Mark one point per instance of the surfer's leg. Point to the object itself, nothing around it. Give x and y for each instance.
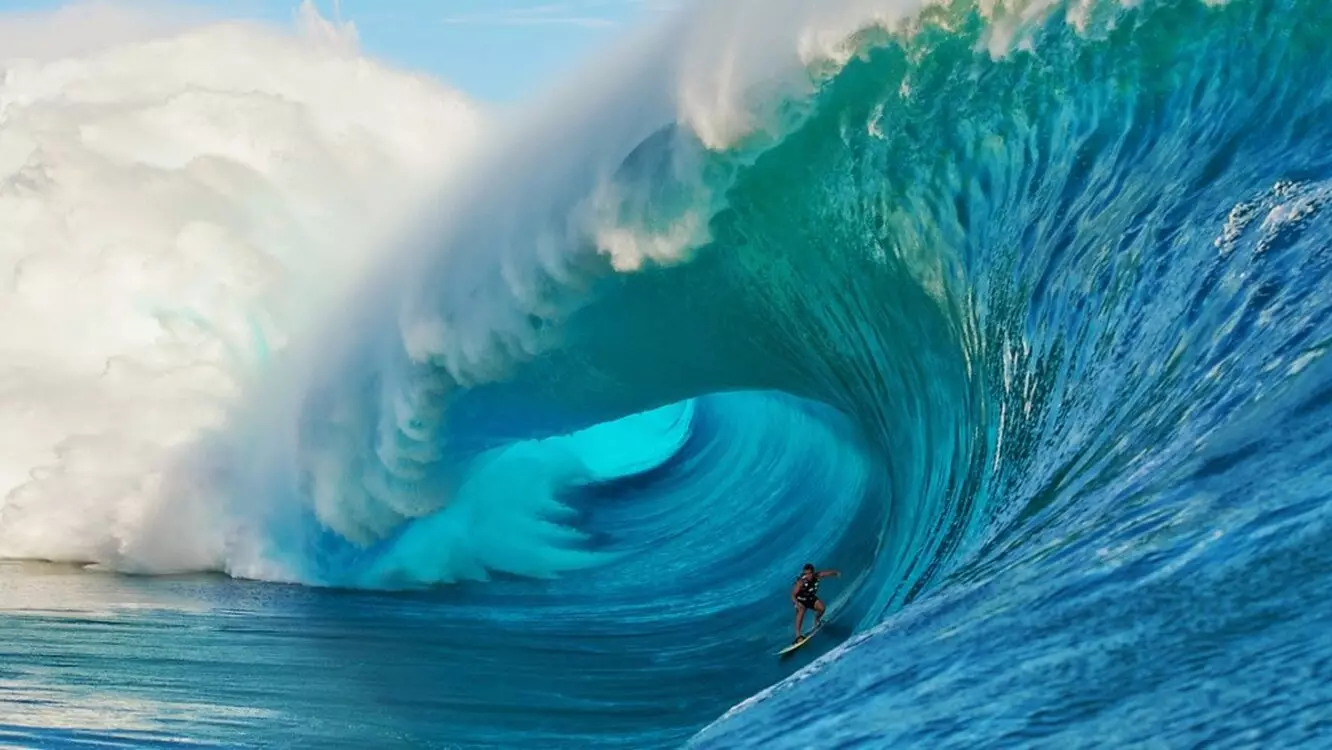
(800, 618)
(818, 612)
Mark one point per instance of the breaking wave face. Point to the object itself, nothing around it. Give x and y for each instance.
(1003, 308)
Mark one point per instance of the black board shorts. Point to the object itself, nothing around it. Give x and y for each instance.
(807, 603)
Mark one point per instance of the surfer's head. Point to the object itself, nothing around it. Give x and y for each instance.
(809, 567)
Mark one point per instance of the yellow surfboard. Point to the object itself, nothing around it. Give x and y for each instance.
(803, 640)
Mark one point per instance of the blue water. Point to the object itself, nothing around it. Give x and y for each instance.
(1031, 347)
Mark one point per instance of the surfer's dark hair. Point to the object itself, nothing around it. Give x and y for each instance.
(809, 566)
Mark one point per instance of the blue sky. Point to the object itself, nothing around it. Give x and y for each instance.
(494, 50)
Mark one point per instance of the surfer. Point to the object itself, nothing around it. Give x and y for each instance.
(805, 595)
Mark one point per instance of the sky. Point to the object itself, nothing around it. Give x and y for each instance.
(494, 50)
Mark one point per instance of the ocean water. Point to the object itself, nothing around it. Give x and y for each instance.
(342, 411)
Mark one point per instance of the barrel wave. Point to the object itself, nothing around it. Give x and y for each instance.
(1013, 312)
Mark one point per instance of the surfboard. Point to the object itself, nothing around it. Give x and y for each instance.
(803, 640)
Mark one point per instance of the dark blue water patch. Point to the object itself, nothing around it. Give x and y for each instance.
(57, 739)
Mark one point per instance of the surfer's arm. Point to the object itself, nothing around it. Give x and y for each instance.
(828, 574)
(795, 590)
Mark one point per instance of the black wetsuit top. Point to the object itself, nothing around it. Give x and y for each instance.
(809, 590)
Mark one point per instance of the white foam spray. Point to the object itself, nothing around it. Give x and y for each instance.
(175, 197)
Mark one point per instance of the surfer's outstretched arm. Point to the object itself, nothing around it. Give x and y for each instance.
(828, 574)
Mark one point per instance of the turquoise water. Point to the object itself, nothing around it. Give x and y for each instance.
(1030, 346)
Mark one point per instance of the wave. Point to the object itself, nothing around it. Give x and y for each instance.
(937, 293)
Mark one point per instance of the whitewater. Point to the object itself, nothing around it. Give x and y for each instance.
(343, 410)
